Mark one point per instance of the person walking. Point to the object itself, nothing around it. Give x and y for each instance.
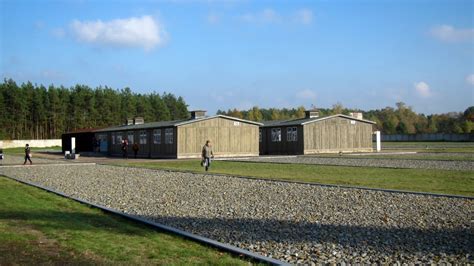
(27, 154)
(125, 148)
(135, 149)
(207, 154)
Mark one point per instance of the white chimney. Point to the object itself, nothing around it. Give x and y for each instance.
(357, 115)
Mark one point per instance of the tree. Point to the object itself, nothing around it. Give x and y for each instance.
(128, 104)
(255, 114)
(235, 113)
(162, 113)
(300, 112)
(32, 111)
(176, 106)
(337, 109)
(275, 114)
(469, 114)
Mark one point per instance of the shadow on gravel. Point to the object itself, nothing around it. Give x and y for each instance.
(457, 241)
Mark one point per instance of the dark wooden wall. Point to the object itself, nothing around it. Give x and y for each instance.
(267, 146)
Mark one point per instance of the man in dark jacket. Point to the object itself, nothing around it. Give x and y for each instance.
(207, 154)
(28, 154)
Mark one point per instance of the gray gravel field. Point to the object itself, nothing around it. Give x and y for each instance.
(297, 223)
(376, 162)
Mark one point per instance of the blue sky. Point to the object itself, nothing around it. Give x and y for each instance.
(237, 54)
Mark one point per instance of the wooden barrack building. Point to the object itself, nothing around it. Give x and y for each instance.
(313, 134)
(184, 138)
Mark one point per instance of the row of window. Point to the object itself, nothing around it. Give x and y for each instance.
(291, 134)
(117, 137)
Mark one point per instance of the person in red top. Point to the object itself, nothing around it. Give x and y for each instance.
(125, 148)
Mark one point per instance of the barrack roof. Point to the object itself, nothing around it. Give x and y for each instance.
(304, 121)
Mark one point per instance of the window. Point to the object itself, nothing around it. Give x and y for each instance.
(118, 138)
(130, 138)
(276, 134)
(143, 137)
(157, 136)
(169, 136)
(260, 135)
(291, 134)
(102, 137)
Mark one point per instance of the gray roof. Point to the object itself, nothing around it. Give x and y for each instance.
(304, 121)
(172, 123)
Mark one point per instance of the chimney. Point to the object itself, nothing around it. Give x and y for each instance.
(357, 115)
(138, 121)
(311, 114)
(129, 121)
(198, 114)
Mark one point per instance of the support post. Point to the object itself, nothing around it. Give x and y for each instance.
(73, 145)
(378, 141)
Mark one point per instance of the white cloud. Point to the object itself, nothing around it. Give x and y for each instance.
(52, 75)
(213, 18)
(39, 24)
(58, 33)
(144, 32)
(304, 16)
(267, 15)
(470, 79)
(306, 95)
(423, 89)
(245, 105)
(448, 33)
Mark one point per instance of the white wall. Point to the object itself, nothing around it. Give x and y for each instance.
(34, 143)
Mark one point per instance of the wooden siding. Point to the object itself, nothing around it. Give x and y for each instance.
(228, 137)
(337, 135)
(267, 146)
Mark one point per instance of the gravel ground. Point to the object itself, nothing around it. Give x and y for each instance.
(297, 223)
(375, 162)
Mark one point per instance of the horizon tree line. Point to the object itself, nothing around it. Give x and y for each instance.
(390, 120)
(30, 111)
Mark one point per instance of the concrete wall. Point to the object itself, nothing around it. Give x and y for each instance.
(428, 137)
(36, 143)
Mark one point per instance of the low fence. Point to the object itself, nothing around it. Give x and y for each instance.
(36, 143)
(428, 137)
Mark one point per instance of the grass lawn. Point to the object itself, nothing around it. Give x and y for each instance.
(420, 156)
(422, 180)
(435, 146)
(21, 150)
(37, 227)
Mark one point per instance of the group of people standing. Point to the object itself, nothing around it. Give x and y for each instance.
(124, 147)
